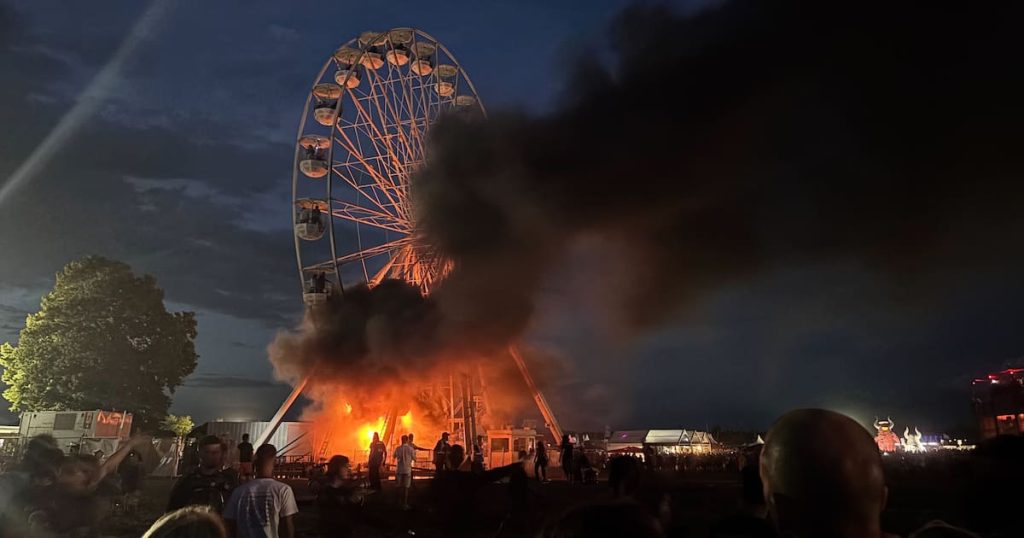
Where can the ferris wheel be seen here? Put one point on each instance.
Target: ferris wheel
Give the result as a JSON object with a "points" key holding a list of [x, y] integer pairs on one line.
{"points": [[372, 105]]}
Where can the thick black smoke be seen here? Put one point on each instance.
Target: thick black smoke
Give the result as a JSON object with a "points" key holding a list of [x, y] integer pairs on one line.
{"points": [[718, 146], [383, 333], [745, 138]]}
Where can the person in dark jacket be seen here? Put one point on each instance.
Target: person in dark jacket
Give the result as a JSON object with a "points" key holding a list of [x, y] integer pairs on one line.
{"points": [[540, 462], [378, 454], [210, 484], [339, 500], [567, 448]]}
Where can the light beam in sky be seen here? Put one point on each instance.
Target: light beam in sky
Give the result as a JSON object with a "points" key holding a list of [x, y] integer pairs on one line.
{"points": [[90, 98]]}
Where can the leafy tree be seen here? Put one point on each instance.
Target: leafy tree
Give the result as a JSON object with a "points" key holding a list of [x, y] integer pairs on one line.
{"points": [[102, 339], [179, 425]]}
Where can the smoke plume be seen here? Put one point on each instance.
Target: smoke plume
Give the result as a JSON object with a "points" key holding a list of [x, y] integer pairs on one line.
{"points": [[715, 147], [745, 138]]}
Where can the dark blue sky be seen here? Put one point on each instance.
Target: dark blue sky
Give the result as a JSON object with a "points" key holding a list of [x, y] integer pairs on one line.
{"points": [[178, 162]]}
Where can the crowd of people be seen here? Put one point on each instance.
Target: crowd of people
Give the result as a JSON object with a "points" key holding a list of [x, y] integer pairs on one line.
{"points": [[835, 486]]}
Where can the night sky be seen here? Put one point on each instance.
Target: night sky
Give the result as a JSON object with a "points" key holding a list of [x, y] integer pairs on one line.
{"points": [[176, 157]]}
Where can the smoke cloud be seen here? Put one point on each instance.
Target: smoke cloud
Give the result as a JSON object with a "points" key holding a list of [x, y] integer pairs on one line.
{"points": [[742, 139], [716, 147]]}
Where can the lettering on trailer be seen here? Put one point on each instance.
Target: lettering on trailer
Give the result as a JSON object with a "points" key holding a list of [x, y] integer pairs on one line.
{"points": [[111, 419]]}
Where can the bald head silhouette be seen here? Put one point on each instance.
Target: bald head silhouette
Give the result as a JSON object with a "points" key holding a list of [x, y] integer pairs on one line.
{"points": [[822, 475]]}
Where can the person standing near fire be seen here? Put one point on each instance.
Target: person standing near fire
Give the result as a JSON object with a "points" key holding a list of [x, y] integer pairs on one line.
{"points": [[477, 464], [441, 453], [412, 443], [378, 454], [540, 462], [245, 452], [405, 457], [567, 448]]}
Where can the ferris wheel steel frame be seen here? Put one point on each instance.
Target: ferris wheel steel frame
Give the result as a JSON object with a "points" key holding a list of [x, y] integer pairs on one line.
{"points": [[390, 215], [389, 209]]}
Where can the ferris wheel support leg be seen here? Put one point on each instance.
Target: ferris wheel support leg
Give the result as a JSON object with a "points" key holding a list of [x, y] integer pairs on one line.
{"points": [[268, 432], [545, 410]]}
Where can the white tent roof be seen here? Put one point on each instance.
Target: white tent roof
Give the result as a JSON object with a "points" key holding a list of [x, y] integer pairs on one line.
{"points": [[628, 437], [663, 437]]}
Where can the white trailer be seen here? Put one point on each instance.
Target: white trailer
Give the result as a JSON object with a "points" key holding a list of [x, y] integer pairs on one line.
{"points": [[84, 432]]}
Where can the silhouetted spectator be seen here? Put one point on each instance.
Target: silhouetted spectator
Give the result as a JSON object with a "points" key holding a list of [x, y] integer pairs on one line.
{"points": [[540, 462], [378, 454], [245, 452], [623, 476], [30, 480], [130, 472], [822, 476], [478, 454], [453, 491], [441, 453], [338, 500], [210, 484], [751, 520], [566, 449], [77, 501]]}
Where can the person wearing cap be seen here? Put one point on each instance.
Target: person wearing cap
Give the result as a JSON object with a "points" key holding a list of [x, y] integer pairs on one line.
{"points": [[263, 507]]}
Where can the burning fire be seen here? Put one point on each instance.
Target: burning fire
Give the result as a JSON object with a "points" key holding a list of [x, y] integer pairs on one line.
{"points": [[367, 430], [347, 414], [346, 417]]}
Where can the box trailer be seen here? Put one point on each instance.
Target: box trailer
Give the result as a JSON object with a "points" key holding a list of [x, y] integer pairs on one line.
{"points": [[84, 432]]}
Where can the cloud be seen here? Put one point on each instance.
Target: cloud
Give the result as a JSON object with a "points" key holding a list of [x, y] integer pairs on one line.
{"points": [[222, 381], [282, 33], [187, 233], [90, 98], [192, 188]]}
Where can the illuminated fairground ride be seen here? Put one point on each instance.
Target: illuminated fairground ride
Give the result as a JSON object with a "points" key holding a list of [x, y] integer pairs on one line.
{"points": [[886, 439], [372, 105]]}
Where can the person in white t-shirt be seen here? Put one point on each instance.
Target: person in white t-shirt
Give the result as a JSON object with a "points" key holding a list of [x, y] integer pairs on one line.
{"points": [[263, 507], [405, 456]]}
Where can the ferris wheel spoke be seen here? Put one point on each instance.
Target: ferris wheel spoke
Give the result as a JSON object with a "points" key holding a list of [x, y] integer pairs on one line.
{"points": [[391, 105], [376, 131], [364, 254], [383, 87], [386, 185], [369, 217], [362, 189], [385, 271], [360, 131]]}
